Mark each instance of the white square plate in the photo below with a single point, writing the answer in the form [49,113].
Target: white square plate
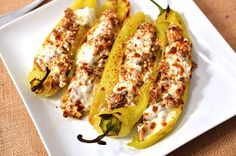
[212,96]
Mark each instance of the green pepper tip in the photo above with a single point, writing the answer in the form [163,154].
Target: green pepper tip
[111,123]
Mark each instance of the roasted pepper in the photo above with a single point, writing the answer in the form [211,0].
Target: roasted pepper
[169,93]
[91,59]
[122,8]
[53,64]
[135,52]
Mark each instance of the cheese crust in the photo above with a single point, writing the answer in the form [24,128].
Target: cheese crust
[56,53]
[174,73]
[90,62]
[137,66]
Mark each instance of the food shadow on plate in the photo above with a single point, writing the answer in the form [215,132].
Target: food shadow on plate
[54,100]
[118,146]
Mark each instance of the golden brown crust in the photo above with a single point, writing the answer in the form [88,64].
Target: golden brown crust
[57,52]
[175,71]
[90,63]
[139,57]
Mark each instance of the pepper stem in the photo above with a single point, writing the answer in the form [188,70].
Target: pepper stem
[40,85]
[159,7]
[96,140]
[167,11]
[109,125]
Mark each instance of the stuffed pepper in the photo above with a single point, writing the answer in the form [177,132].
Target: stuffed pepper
[122,94]
[169,92]
[90,62]
[53,63]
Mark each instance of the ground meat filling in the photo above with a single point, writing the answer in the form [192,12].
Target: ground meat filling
[139,57]
[174,74]
[56,52]
[90,64]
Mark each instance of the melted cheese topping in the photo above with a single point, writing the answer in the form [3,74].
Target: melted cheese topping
[155,118]
[175,72]
[85,16]
[57,51]
[136,68]
[90,63]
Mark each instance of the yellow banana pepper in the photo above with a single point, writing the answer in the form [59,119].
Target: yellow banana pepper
[167,18]
[119,122]
[100,38]
[41,79]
